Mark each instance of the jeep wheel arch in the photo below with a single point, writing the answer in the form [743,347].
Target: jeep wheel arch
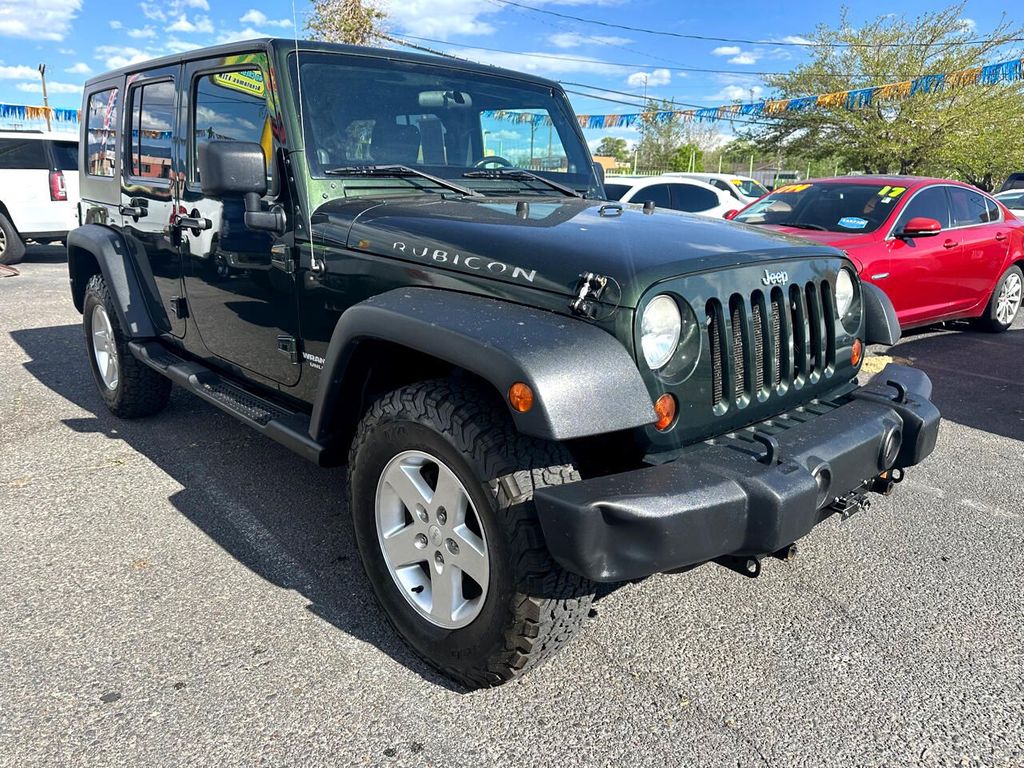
[96,249]
[584,381]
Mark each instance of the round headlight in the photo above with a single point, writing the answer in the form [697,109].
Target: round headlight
[844,292]
[659,331]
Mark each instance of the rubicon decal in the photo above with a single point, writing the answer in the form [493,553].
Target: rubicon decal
[775,278]
[475,263]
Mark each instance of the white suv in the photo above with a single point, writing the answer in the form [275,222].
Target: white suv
[38,189]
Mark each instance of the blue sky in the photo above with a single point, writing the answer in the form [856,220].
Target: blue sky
[77,38]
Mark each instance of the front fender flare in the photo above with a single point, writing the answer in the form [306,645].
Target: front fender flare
[584,381]
[881,325]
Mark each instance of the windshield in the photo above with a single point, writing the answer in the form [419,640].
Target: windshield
[440,121]
[749,187]
[832,207]
[1012,199]
[615,191]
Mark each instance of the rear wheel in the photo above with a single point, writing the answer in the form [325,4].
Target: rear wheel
[12,249]
[1005,302]
[441,488]
[129,388]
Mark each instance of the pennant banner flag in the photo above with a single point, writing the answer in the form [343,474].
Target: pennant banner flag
[22,113]
[992,74]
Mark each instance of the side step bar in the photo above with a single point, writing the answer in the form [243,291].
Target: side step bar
[286,427]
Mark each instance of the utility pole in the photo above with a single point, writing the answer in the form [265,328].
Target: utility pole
[46,100]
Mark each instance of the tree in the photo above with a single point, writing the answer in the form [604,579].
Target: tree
[659,139]
[969,130]
[684,155]
[356,22]
[611,146]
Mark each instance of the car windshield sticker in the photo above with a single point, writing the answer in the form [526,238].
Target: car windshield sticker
[792,188]
[890,193]
[853,222]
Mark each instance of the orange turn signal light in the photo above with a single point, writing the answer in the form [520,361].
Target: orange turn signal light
[665,408]
[857,353]
[520,397]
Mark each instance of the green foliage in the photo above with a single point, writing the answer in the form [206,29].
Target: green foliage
[972,131]
[681,158]
[356,22]
[611,146]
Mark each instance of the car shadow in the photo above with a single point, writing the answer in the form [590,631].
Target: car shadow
[978,377]
[44,253]
[282,517]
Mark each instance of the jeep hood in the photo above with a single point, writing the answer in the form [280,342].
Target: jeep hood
[547,243]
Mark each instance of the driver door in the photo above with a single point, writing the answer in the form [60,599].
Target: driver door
[242,301]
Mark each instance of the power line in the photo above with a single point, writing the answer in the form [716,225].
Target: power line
[708,38]
[671,102]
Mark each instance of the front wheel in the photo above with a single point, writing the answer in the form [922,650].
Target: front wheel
[12,249]
[1005,302]
[441,488]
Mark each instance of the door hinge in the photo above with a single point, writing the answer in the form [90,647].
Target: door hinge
[287,345]
[179,305]
[281,257]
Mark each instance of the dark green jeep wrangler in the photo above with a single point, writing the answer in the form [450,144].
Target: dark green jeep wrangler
[405,264]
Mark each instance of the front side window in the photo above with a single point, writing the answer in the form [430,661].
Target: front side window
[659,194]
[22,154]
[101,131]
[231,106]
[834,207]
[152,126]
[929,203]
[969,208]
[687,197]
[615,191]
[443,121]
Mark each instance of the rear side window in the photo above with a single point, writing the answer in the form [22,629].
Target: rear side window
[101,133]
[65,155]
[231,106]
[152,125]
[656,193]
[994,214]
[686,197]
[615,191]
[22,154]
[968,207]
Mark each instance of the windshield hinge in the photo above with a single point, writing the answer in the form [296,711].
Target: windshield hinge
[588,290]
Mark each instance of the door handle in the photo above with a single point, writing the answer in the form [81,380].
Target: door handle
[950,244]
[135,211]
[1000,236]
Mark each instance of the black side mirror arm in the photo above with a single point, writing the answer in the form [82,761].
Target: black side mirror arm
[255,217]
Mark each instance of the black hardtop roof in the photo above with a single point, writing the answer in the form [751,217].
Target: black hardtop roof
[245,46]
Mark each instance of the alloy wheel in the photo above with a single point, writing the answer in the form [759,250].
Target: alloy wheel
[104,347]
[1008,301]
[432,539]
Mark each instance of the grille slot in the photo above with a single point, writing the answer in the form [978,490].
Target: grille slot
[761,345]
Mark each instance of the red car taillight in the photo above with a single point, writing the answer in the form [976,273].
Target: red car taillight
[58,188]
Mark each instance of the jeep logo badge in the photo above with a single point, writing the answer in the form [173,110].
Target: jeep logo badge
[775,278]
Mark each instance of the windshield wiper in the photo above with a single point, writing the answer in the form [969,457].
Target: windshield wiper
[397,172]
[520,174]
[801,225]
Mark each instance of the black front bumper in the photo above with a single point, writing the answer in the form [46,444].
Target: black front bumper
[727,499]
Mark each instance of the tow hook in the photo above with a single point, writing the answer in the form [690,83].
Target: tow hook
[850,504]
[886,482]
[746,565]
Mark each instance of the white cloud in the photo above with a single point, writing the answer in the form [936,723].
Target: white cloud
[575,40]
[968,25]
[650,79]
[548,64]
[38,19]
[142,33]
[174,45]
[19,72]
[726,50]
[737,93]
[795,39]
[116,56]
[161,11]
[745,57]
[241,34]
[51,87]
[200,24]
[81,68]
[115,24]
[259,19]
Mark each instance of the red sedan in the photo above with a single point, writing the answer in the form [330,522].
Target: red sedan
[940,249]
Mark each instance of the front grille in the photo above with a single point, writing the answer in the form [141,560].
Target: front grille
[752,358]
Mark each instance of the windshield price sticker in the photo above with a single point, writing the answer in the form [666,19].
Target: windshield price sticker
[853,222]
[792,188]
[888,194]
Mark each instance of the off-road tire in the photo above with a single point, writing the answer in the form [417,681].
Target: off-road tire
[533,606]
[988,321]
[13,249]
[140,390]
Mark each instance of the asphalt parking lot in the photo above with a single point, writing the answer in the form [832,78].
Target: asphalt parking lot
[181,590]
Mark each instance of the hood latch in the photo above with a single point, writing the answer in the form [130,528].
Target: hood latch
[588,290]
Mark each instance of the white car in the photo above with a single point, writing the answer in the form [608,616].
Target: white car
[1012,199]
[742,188]
[38,189]
[673,192]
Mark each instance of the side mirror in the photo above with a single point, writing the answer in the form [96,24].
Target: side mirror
[239,169]
[730,215]
[232,168]
[921,226]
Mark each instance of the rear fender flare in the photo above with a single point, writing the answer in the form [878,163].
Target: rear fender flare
[584,381]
